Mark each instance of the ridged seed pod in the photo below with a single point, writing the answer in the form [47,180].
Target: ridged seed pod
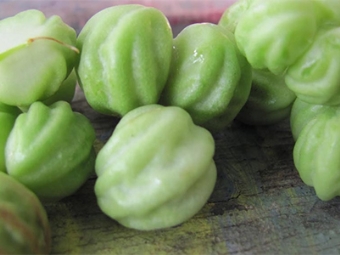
[209,77]
[331,10]
[317,154]
[50,150]
[315,76]
[156,170]
[125,58]
[272,34]
[302,113]
[24,226]
[299,39]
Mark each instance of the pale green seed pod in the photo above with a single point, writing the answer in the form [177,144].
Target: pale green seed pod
[36,56]
[272,34]
[317,154]
[331,8]
[315,76]
[233,14]
[302,113]
[156,170]
[299,39]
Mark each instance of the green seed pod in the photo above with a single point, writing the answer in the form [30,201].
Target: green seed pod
[299,39]
[50,150]
[156,170]
[272,34]
[125,58]
[302,113]
[316,154]
[8,114]
[270,100]
[233,14]
[315,76]
[209,78]
[26,73]
[331,9]
[24,226]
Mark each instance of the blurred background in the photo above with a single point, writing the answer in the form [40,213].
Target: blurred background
[76,12]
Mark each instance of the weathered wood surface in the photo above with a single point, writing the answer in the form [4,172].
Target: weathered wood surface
[259,205]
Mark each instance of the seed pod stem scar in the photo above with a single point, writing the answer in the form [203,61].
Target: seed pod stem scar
[30,40]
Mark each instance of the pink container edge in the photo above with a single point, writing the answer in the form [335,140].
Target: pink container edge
[77,12]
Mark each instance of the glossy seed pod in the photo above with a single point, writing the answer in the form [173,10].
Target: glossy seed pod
[156,170]
[315,76]
[36,55]
[8,114]
[270,100]
[50,150]
[316,154]
[302,113]
[125,58]
[209,78]
[24,226]
[272,34]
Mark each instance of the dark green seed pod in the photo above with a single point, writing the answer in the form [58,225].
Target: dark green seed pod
[270,100]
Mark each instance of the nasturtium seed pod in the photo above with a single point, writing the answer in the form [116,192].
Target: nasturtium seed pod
[8,114]
[302,113]
[299,39]
[270,100]
[331,9]
[231,16]
[315,76]
[272,34]
[125,58]
[209,77]
[156,170]
[24,225]
[317,153]
[50,150]
[36,55]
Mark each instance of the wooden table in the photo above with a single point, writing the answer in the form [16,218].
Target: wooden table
[259,205]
